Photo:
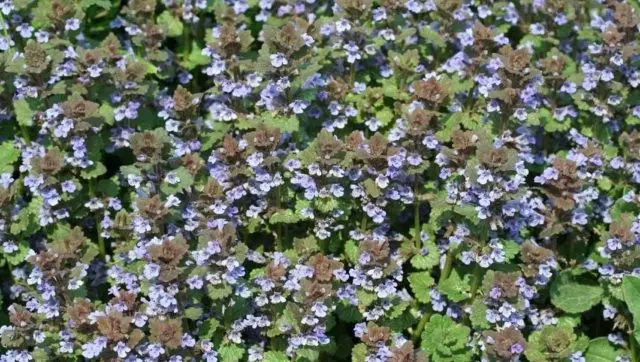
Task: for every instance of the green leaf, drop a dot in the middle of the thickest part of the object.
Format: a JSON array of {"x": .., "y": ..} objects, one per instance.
[
  {"x": 40, "y": 355},
  {"x": 185, "y": 180},
  {"x": 554, "y": 343},
  {"x": 428, "y": 261},
  {"x": 456, "y": 288},
  {"x": 231, "y": 353},
  {"x": 173, "y": 25},
  {"x": 575, "y": 294},
  {"x": 457, "y": 85},
  {"x": 605, "y": 183},
  {"x": 420, "y": 282},
  {"x": 556, "y": 126},
  {"x": 478, "y": 315},
  {"x": 284, "y": 217},
  {"x": 210, "y": 139},
  {"x": 109, "y": 187},
  {"x": 631, "y": 292},
  {"x": 351, "y": 251},
  {"x": 196, "y": 57},
  {"x": 307, "y": 354},
  {"x": 60, "y": 231},
  {"x": 511, "y": 249},
  {"x": 403, "y": 322},
  {"x": 451, "y": 122},
  {"x": 275, "y": 356},
  {"x": 359, "y": 353},
  {"x": 469, "y": 212},
  {"x": 398, "y": 309},
  {"x": 432, "y": 36},
  {"x": 193, "y": 313},
  {"x": 209, "y": 327},
  {"x": 385, "y": 116},
  {"x": 105, "y": 4},
  {"x": 600, "y": 350},
  {"x": 106, "y": 111},
  {"x": 90, "y": 253},
  {"x": 8, "y": 155},
  {"x": 24, "y": 112},
  {"x": 151, "y": 69},
  {"x": 348, "y": 313},
  {"x": 94, "y": 171},
  {"x": 27, "y": 220},
  {"x": 288, "y": 124},
  {"x": 18, "y": 256},
  {"x": 365, "y": 298},
  {"x": 371, "y": 188},
  {"x": 631, "y": 120},
  {"x": 219, "y": 292},
  {"x": 390, "y": 88},
  {"x": 325, "y": 205},
  {"x": 443, "y": 337}
]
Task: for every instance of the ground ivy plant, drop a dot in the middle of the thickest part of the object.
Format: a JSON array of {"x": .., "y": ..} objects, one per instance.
[{"x": 319, "y": 180}]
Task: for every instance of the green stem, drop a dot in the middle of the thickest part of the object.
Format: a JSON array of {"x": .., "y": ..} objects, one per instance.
[
  {"x": 352, "y": 74},
  {"x": 363, "y": 223},
  {"x": 420, "y": 327},
  {"x": 186, "y": 36},
  {"x": 416, "y": 216},
  {"x": 101, "y": 244},
  {"x": 5, "y": 30},
  {"x": 572, "y": 249},
  {"x": 25, "y": 134},
  {"x": 448, "y": 265},
  {"x": 10, "y": 268},
  {"x": 279, "y": 230},
  {"x": 477, "y": 269},
  {"x": 633, "y": 348},
  {"x": 477, "y": 277},
  {"x": 470, "y": 101}
]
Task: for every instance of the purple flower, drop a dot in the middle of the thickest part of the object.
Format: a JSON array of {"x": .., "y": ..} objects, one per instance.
[{"x": 278, "y": 60}]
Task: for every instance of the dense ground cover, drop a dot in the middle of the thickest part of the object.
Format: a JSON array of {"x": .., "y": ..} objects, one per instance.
[{"x": 279, "y": 180}]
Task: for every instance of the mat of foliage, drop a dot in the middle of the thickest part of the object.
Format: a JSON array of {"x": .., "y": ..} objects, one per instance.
[{"x": 358, "y": 180}]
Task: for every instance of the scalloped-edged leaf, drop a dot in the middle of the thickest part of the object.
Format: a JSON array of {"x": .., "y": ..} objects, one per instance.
[
  {"x": 184, "y": 180},
  {"x": 231, "y": 353},
  {"x": 631, "y": 291},
  {"x": 284, "y": 217},
  {"x": 171, "y": 23},
  {"x": 575, "y": 294},
  {"x": 97, "y": 170},
  {"x": 420, "y": 283},
  {"x": 275, "y": 356},
  {"x": 8, "y": 155},
  {"x": 456, "y": 288},
  {"x": 601, "y": 350}
]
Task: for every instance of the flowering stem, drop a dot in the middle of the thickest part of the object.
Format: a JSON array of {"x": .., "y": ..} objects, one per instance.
[
  {"x": 279, "y": 232},
  {"x": 470, "y": 101},
  {"x": 416, "y": 216},
  {"x": 416, "y": 224},
  {"x": 448, "y": 265},
  {"x": 477, "y": 269},
  {"x": 101, "y": 245},
  {"x": 352, "y": 74},
  {"x": 477, "y": 277}
]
